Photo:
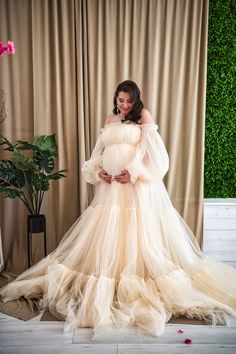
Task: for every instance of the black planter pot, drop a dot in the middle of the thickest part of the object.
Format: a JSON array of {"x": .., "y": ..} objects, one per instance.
[{"x": 35, "y": 224}]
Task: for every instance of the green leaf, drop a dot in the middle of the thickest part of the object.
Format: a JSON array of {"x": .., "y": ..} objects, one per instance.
[
  {"x": 44, "y": 160},
  {"x": 39, "y": 182},
  {"x": 24, "y": 145},
  {"x": 8, "y": 145},
  {"x": 22, "y": 162},
  {"x": 9, "y": 175},
  {"x": 57, "y": 175},
  {"x": 46, "y": 143},
  {"x": 10, "y": 193}
]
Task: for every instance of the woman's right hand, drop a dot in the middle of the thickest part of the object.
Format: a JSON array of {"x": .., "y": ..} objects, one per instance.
[{"x": 104, "y": 175}]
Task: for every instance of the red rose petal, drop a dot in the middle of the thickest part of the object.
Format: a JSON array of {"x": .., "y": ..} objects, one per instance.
[
  {"x": 188, "y": 341},
  {"x": 180, "y": 331}
]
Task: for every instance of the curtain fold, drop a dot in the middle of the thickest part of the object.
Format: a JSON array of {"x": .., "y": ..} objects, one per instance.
[{"x": 70, "y": 56}]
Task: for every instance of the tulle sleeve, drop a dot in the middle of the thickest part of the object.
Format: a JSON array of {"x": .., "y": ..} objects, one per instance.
[
  {"x": 91, "y": 168},
  {"x": 151, "y": 161}
]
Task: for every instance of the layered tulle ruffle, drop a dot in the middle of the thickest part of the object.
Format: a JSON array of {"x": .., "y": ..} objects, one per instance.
[{"x": 102, "y": 279}]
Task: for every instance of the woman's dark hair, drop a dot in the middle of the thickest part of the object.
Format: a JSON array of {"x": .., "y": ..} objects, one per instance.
[{"x": 132, "y": 88}]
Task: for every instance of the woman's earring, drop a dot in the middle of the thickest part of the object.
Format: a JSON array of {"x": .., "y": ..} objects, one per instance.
[{"x": 117, "y": 110}]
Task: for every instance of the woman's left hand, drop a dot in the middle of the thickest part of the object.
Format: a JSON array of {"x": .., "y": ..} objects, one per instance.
[{"x": 123, "y": 177}]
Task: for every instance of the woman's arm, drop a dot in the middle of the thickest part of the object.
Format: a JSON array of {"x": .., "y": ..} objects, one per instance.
[{"x": 108, "y": 119}]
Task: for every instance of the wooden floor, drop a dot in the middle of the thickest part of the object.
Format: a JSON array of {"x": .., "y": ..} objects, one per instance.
[{"x": 39, "y": 337}]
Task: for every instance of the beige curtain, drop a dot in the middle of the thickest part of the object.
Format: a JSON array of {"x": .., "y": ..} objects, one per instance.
[{"x": 70, "y": 55}]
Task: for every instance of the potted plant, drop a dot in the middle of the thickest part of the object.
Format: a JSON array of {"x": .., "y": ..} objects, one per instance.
[{"x": 27, "y": 175}]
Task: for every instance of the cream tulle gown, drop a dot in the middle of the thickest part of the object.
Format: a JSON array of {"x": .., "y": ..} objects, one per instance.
[{"x": 130, "y": 259}]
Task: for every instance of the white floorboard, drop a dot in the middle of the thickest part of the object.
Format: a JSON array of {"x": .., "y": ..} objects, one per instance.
[
  {"x": 174, "y": 349},
  {"x": 44, "y": 337},
  {"x": 62, "y": 349},
  {"x": 200, "y": 334}
]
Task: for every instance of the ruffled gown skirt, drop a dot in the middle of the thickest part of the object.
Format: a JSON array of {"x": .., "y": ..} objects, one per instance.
[{"x": 130, "y": 259}]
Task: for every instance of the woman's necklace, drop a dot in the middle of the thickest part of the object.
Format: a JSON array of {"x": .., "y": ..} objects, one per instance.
[{"x": 123, "y": 120}]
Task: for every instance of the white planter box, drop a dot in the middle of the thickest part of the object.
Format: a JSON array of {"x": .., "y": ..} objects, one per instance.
[{"x": 219, "y": 237}]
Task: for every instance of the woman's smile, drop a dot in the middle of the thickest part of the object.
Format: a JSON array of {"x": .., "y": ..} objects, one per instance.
[{"x": 125, "y": 102}]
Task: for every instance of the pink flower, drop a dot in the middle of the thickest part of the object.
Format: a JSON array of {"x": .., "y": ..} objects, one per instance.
[
  {"x": 10, "y": 48},
  {"x": 188, "y": 341},
  {"x": 2, "y": 49},
  {"x": 180, "y": 331}
]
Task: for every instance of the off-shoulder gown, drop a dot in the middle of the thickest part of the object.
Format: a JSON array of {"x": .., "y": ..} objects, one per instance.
[{"x": 129, "y": 259}]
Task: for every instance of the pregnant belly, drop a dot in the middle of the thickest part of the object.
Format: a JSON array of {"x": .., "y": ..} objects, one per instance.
[{"x": 116, "y": 157}]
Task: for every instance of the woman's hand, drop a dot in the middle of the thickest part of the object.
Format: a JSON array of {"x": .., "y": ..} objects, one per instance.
[
  {"x": 103, "y": 175},
  {"x": 123, "y": 177}
]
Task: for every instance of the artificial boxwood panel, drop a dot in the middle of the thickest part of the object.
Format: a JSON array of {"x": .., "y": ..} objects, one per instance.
[{"x": 220, "y": 135}]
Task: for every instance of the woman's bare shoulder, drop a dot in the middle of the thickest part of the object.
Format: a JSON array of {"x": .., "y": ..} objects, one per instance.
[
  {"x": 146, "y": 117},
  {"x": 109, "y": 118}
]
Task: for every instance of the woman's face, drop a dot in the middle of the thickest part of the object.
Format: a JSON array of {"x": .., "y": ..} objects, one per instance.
[{"x": 124, "y": 102}]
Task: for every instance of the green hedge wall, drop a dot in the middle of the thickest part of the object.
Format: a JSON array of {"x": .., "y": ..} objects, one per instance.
[{"x": 220, "y": 138}]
